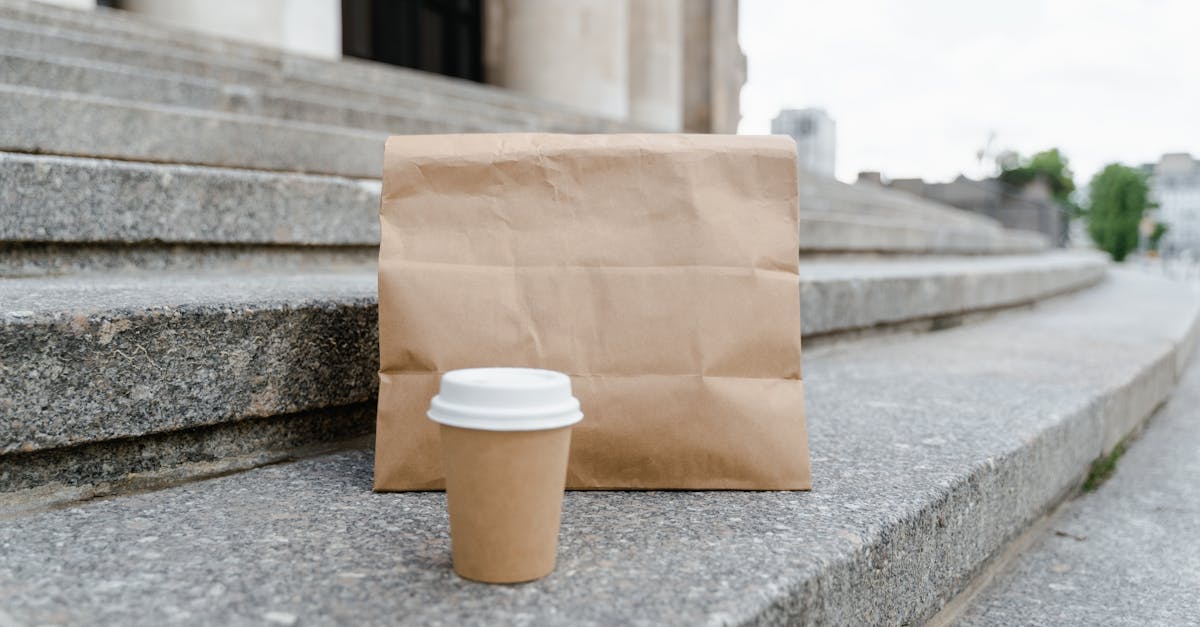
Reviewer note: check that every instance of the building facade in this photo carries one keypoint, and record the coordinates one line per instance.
(1175, 187)
(662, 65)
(816, 138)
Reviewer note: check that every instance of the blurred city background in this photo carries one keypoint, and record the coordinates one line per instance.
(999, 245)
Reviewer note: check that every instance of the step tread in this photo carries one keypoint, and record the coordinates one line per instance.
(181, 350)
(1139, 523)
(928, 454)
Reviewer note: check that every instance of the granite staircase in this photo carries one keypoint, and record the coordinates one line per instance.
(188, 229)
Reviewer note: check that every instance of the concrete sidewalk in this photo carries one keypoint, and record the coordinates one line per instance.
(1126, 554)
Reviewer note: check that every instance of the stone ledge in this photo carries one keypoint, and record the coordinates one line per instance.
(929, 454)
(96, 358)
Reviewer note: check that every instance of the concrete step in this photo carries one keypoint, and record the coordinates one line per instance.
(96, 359)
(43, 121)
(1124, 554)
(347, 81)
(123, 82)
(118, 28)
(847, 232)
(70, 214)
(929, 455)
(132, 26)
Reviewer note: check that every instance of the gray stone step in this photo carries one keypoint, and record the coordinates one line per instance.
(847, 232)
(136, 27)
(1123, 555)
(43, 121)
(346, 81)
(826, 194)
(70, 214)
(98, 358)
(929, 455)
(122, 28)
(123, 82)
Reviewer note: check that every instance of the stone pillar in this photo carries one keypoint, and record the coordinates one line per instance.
(656, 64)
(311, 27)
(714, 67)
(573, 52)
(697, 66)
(728, 67)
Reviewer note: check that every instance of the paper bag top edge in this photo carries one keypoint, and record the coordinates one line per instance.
(518, 144)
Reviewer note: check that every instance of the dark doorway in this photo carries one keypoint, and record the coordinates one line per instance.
(440, 36)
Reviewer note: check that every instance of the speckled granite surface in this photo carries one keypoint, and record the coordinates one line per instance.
(1126, 554)
(929, 453)
(87, 359)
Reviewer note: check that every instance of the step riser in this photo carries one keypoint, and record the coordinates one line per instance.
(825, 232)
(26, 260)
(863, 303)
(99, 375)
(73, 200)
(148, 461)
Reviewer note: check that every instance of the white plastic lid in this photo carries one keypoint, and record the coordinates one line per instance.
(505, 399)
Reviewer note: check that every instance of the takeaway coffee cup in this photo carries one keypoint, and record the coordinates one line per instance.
(505, 438)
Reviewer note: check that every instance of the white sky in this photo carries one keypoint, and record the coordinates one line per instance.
(917, 85)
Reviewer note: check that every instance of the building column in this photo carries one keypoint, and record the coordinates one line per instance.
(574, 53)
(311, 27)
(714, 66)
(656, 64)
(728, 67)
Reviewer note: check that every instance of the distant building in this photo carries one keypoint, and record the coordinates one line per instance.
(1175, 186)
(1031, 208)
(815, 134)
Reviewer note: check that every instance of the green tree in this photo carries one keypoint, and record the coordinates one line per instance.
(1160, 230)
(1119, 197)
(1049, 165)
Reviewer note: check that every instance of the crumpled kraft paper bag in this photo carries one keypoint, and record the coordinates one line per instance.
(659, 271)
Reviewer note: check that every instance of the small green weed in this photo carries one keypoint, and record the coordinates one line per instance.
(1103, 468)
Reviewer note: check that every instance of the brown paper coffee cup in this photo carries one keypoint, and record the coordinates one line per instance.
(506, 434)
(504, 490)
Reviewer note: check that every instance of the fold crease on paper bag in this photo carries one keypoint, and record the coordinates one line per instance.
(659, 271)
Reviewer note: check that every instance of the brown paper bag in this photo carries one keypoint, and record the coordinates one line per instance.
(659, 271)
